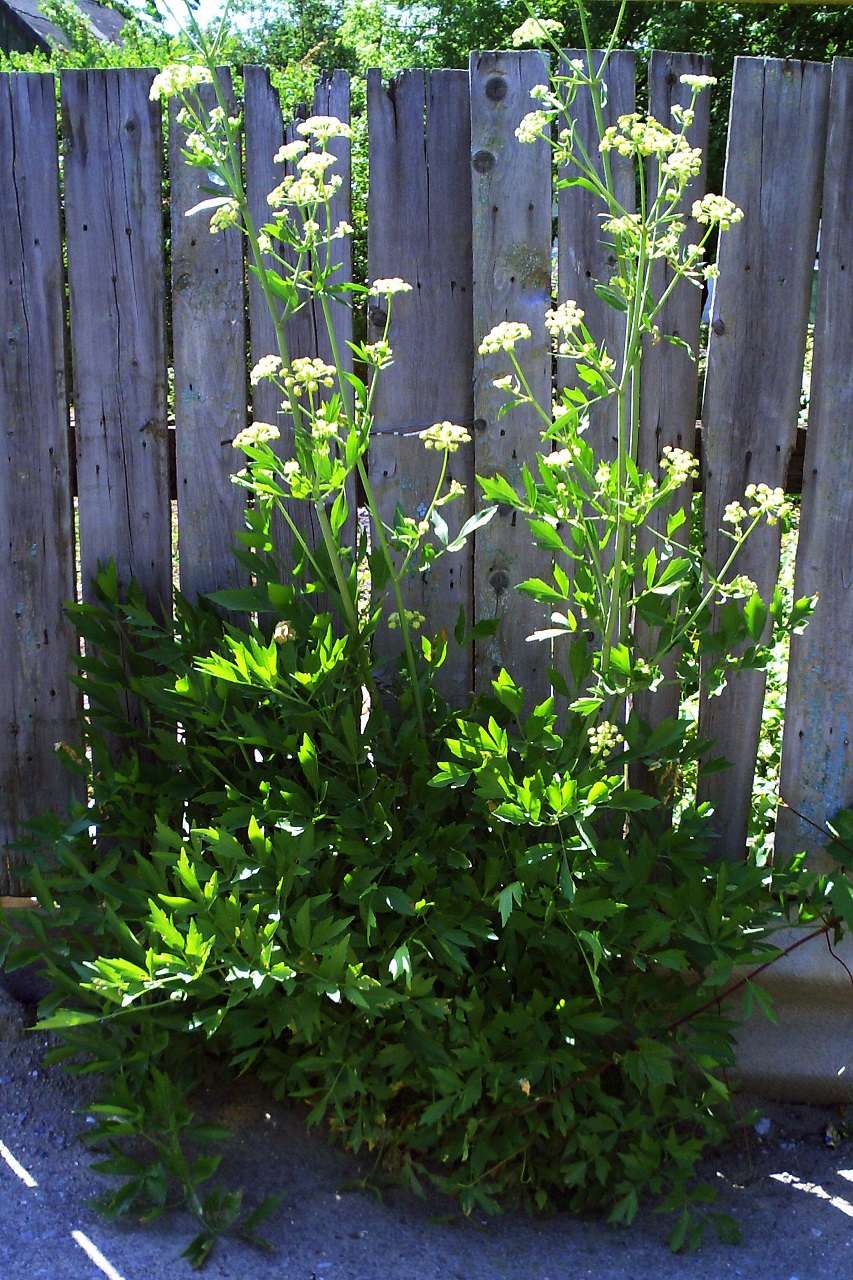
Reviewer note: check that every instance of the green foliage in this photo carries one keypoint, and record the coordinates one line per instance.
(477, 953)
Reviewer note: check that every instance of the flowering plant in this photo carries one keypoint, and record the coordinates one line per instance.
(456, 933)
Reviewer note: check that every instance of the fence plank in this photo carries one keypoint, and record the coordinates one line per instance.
(209, 344)
(670, 379)
(419, 228)
(755, 360)
(816, 766)
(584, 259)
(37, 703)
(512, 281)
(113, 216)
(306, 333)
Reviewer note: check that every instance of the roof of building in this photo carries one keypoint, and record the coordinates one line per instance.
(106, 23)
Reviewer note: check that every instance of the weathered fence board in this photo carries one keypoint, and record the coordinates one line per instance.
(37, 703)
(306, 333)
(209, 345)
(774, 169)
(670, 378)
(419, 216)
(584, 256)
(511, 206)
(114, 230)
(464, 211)
(816, 758)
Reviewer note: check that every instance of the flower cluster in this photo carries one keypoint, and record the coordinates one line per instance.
(177, 79)
(266, 367)
(561, 457)
(697, 83)
(767, 502)
(536, 31)
(679, 465)
(716, 211)
(256, 433)
(309, 375)
(503, 337)
(378, 353)
(603, 737)
(561, 321)
(226, 215)
(444, 436)
(413, 618)
(304, 188)
(389, 286)
(282, 632)
(636, 135)
(533, 126)
(323, 128)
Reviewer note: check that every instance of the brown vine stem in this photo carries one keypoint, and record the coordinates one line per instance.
(717, 1000)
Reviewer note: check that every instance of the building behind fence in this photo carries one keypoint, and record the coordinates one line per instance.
(463, 211)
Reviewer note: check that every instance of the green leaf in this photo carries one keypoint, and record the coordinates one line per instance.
(755, 616)
(513, 893)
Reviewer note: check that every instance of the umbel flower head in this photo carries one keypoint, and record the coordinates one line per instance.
(503, 337)
(179, 77)
(444, 436)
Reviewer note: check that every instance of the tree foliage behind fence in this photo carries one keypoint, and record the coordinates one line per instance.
(465, 212)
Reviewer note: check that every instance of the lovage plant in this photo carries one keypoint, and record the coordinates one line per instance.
(456, 934)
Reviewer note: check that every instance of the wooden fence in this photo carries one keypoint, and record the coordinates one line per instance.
(462, 210)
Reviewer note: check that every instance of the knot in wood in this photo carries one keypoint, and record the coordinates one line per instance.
(480, 424)
(483, 161)
(378, 317)
(718, 326)
(496, 88)
(499, 580)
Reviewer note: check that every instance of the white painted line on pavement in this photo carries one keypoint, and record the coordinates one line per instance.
(16, 1166)
(94, 1254)
(837, 1202)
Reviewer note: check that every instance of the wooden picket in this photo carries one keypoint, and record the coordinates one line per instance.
(462, 210)
(816, 760)
(209, 360)
(774, 171)
(419, 216)
(511, 207)
(37, 703)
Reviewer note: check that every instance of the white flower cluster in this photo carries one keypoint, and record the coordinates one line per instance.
(267, 367)
(503, 337)
(561, 321)
(323, 128)
(536, 31)
(180, 77)
(698, 83)
(444, 436)
(603, 737)
(283, 632)
(767, 502)
(764, 501)
(533, 126)
(389, 286)
(256, 433)
(562, 457)
(718, 211)
(308, 375)
(679, 464)
(637, 135)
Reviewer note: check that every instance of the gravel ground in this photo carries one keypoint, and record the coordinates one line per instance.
(787, 1188)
